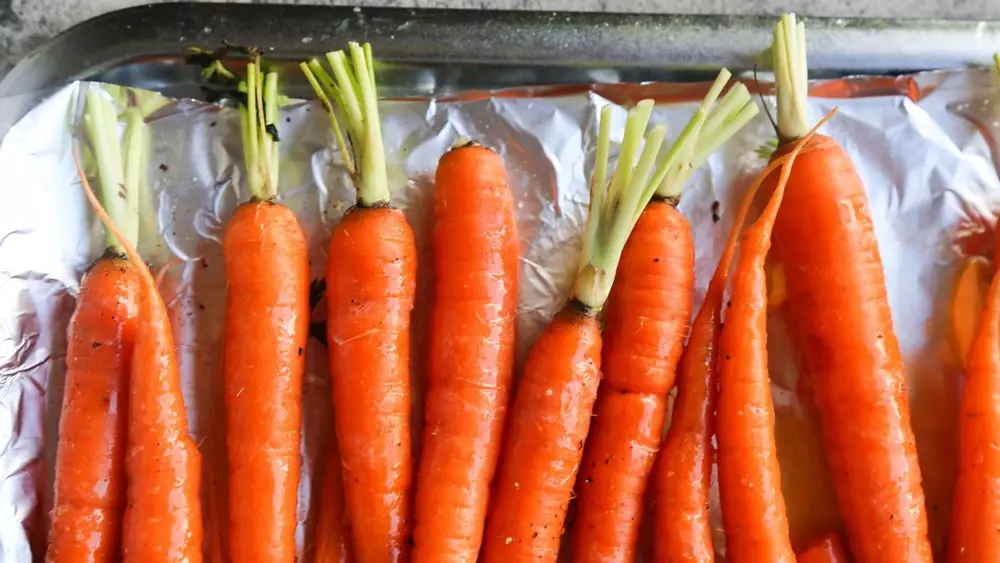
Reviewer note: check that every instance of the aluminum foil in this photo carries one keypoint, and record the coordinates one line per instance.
(930, 178)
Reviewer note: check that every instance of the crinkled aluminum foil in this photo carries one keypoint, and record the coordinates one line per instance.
(928, 172)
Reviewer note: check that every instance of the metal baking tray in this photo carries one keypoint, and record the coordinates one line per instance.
(439, 52)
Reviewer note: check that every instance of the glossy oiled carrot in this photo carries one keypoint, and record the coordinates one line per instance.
(837, 300)
(543, 445)
(264, 340)
(266, 326)
(547, 431)
(370, 284)
(976, 507)
(90, 462)
(333, 542)
(828, 548)
(683, 532)
(90, 481)
(471, 353)
(753, 507)
(645, 326)
(163, 516)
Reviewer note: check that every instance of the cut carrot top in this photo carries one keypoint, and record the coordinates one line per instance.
(260, 138)
(352, 88)
(791, 77)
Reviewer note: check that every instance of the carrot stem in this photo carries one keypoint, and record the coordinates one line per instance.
(117, 185)
(321, 83)
(791, 77)
(711, 126)
(352, 89)
(258, 116)
(615, 207)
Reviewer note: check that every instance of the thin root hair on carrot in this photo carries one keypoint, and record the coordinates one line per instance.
(351, 88)
(615, 205)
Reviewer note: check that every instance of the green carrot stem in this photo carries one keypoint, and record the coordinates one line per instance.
(352, 89)
(258, 120)
(118, 196)
(615, 205)
(791, 74)
(711, 125)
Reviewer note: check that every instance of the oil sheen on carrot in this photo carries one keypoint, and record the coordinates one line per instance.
(976, 505)
(646, 322)
(471, 352)
(825, 240)
(266, 327)
(828, 548)
(90, 484)
(370, 292)
(550, 419)
(836, 294)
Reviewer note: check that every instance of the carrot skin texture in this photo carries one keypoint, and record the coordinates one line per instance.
(332, 536)
(370, 293)
(837, 300)
(976, 504)
(828, 548)
(266, 327)
(471, 353)
(544, 440)
(684, 472)
(647, 319)
(753, 508)
(90, 483)
(163, 521)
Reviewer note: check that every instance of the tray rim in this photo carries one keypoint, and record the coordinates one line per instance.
(745, 37)
(490, 38)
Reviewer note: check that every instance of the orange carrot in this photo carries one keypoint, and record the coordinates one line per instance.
(333, 543)
(90, 484)
(265, 334)
(684, 468)
(753, 507)
(837, 302)
(646, 323)
(828, 548)
(370, 282)
(543, 445)
(163, 516)
(976, 505)
(471, 352)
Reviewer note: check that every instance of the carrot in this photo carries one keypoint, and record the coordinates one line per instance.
(828, 548)
(684, 467)
(332, 536)
(90, 483)
(543, 445)
(753, 507)
(645, 326)
(162, 520)
(837, 302)
(370, 280)
(471, 352)
(971, 287)
(976, 504)
(264, 340)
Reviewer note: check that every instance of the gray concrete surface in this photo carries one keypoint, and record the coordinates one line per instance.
(25, 24)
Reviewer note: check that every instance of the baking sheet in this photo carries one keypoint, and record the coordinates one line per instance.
(928, 173)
